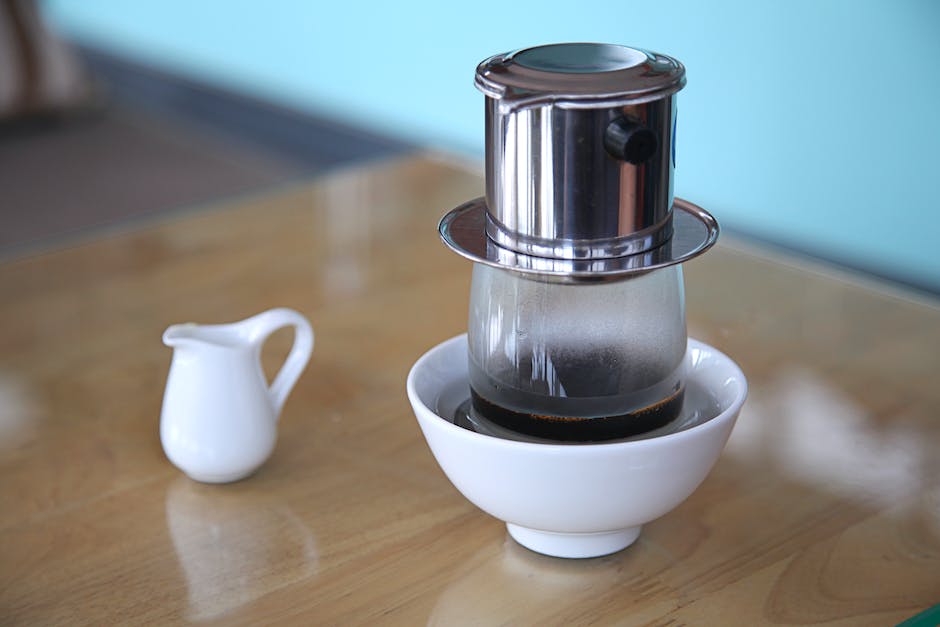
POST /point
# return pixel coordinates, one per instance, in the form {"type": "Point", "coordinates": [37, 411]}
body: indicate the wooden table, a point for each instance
{"type": "Point", "coordinates": [824, 508]}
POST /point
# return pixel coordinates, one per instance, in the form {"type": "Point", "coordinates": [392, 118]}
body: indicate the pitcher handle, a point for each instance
{"type": "Point", "coordinates": [266, 323]}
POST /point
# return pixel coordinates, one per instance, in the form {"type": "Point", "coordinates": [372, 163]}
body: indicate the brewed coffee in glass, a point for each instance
{"type": "Point", "coordinates": [577, 361]}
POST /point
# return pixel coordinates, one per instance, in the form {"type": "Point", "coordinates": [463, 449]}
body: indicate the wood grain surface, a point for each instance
{"type": "Point", "coordinates": [824, 507]}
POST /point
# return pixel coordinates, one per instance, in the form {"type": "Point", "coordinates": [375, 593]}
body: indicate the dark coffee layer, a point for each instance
{"type": "Point", "coordinates": [573, 429]}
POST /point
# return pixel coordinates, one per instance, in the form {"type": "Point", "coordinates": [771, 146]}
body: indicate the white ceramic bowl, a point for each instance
{"type": "Point", "coordinates": [573, 500]}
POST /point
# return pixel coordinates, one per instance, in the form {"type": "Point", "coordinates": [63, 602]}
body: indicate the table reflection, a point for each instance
{"type": "Point", "coordinates": [21, 410]}
{"type": "Point", "coordinates": [811, 431]}
{"type": "Point", "coordinates": [511, 582]}
{"type": "Point", "coordinates": [234, 548]}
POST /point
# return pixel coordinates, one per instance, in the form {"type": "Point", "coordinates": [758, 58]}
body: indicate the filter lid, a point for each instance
{"type": "Point", "coordinates": [579, 74]}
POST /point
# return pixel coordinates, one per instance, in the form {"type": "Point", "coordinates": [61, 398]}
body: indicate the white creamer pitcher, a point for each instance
{"type": "Point", "coordinates": [219, 419]}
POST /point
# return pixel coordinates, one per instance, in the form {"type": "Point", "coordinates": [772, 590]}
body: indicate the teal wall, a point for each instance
{"type": "Point", "coordinates": [813, 123]}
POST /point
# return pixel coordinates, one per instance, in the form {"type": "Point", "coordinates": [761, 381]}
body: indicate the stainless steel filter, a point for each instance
{"type": "Point", "coordinates": [603, 118]}
{"type": "Point", "coordinates": [580, 153]}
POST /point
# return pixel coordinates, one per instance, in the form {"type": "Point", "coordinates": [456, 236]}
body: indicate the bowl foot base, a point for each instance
{"type": "Point", "coordinates": [574, 545]}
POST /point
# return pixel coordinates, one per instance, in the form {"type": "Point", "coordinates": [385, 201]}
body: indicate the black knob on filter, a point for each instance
{"type": "Point", "coordinates": [630, 141]}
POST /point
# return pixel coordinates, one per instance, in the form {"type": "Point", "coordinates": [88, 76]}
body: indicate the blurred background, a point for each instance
{"type": "Point", "coordinates": [810, 124]}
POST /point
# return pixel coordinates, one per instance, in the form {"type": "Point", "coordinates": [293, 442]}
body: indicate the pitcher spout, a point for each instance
{"type": "Point", "coordinates": [190, 333]}
{"type": "Point", "coordinates": [178, 334]}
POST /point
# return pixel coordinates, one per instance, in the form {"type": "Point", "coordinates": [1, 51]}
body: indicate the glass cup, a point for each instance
{"type": "Point", "coordinates": [577, 361]}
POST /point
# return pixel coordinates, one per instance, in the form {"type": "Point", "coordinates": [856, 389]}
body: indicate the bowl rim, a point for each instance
{"type": "Point", "coordinates": [573, 448]}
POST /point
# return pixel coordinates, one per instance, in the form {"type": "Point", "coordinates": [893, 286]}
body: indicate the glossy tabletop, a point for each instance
{"type": "Point", "coordinates": [824, 507]}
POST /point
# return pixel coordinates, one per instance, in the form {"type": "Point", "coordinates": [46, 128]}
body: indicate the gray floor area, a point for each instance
{"type": "Point", "coordinates": [120, 165]}
{"type": "Point", "coordinates": [158, 143]}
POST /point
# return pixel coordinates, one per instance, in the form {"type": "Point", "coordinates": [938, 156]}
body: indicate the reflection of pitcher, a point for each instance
{"type": "Point", "coordinates": [219, 420]}
{"type": "Point", "coordinates": [235, 547]}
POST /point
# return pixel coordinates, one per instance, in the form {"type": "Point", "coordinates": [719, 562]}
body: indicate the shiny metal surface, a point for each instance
{"type": "Point", "coordinates": [554, 191]}
{"type": "Point", "coordinates": [464, 231]}
{"type": "Point", "coordinates": [580, 149]}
